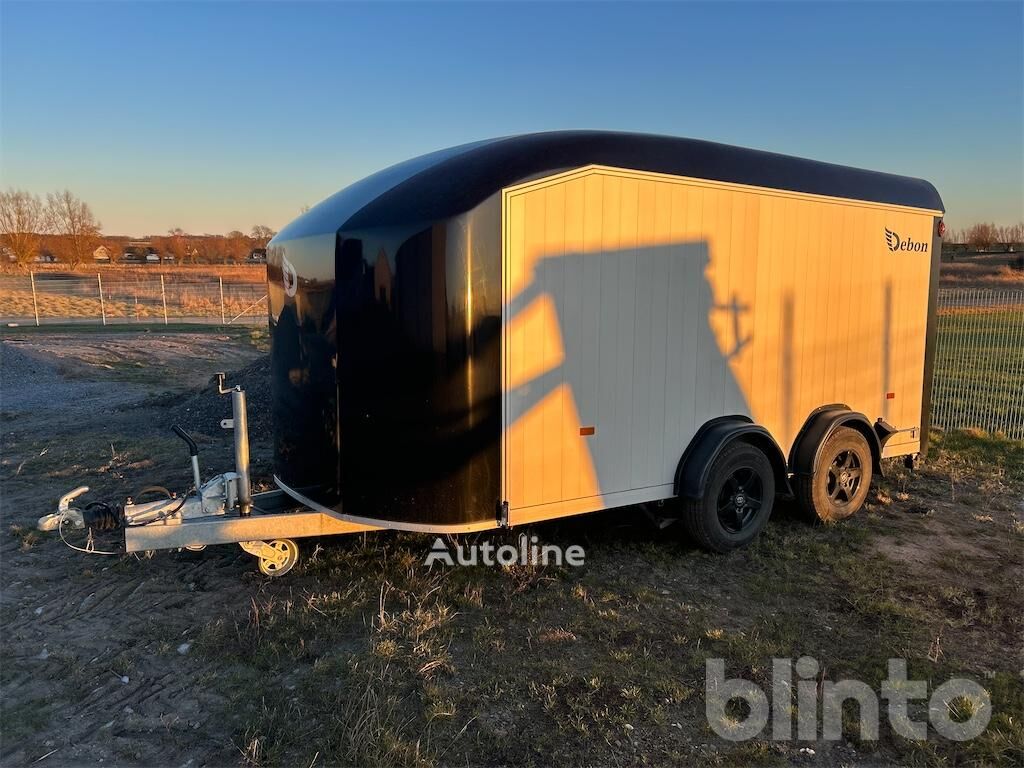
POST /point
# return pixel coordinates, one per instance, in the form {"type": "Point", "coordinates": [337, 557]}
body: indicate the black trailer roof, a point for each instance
{"type": "Point", "coordinates": [451, 181]}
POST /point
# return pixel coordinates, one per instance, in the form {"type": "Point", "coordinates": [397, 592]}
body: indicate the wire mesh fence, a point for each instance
{"type": "Point", "coordinates": [38, 299]}
{"type": "Point", "coordinates": [979, 361]}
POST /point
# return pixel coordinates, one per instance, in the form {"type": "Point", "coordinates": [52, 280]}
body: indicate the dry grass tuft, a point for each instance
{"type": "Point", "coordinates": [556, 635]}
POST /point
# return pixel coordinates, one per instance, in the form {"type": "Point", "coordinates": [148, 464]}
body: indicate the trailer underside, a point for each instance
{"type": "Point", "coordinates": [275, 515]}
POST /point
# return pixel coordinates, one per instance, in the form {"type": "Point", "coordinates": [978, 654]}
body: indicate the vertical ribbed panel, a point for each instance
{"type": "Point", "coordinates": [644, 305]}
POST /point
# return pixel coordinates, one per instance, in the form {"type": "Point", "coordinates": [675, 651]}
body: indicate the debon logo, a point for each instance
{"type": "Point", "coordinates": [291, 278]}
{"type": "Point", "coordinates": [896, 243]}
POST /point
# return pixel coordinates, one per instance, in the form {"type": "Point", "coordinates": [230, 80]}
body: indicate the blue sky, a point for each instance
{"type": "Point", "coordinates": [218, 116]}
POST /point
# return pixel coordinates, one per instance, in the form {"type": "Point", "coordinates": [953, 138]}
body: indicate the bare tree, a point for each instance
{"type": "Point", "coordinates": [982, 236]}
{"type": "Point", "coordinates": [176, 245]}
{"type": "Point", "coordinates": [262, 235]}
{"type": "Point", "coordinates": [236, 246]}
{"type": "Point", "coordinates": [23, 221]}
{"type": "Point", "coordinates": [1012, 233]}
{"type": "Point", "coordinates": [209, 249]}
{"type": "Point", "coordinates": [73, 222]}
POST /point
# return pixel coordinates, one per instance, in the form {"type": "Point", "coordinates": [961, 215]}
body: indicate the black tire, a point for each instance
{"type": "Point", "coordinates": [737, 500]}
{"type": "Point", "coordinates": [839, 487]}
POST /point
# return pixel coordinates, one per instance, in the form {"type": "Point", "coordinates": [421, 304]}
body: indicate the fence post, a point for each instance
{"type": "Point", "coordinates": [163, 296]}
{"type": "Point", "coordinates": [35, 302]}
{"type": "Point", "coordinates": [103, 309]}
{"type": "Point", "coordinates": [222, 318]}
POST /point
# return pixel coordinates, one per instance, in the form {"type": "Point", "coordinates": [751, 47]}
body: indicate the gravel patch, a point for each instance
{"type": "Point", "coordinates": [31, 384]}
{"type": "Point", "coordinates": [201, 410]}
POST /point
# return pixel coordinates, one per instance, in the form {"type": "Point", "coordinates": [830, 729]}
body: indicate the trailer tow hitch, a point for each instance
{"type": "Point", "coordinates": [96, 515]}
{"type": "Point", "coordinates": [65, 514]}
{"type": "Point", "coordinates": [222, 500]}
{"type": "Point", "coordinates": [212, 498]}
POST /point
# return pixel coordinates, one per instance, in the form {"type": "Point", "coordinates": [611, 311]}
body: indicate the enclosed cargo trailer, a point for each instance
{"type": "Point", "coordinates": [546, 325]}
{"type": "Point", "coordinates": [530, 327]}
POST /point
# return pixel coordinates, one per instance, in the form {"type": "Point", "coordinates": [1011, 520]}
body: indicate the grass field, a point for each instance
{"type": "Point", "coordinates": [997, 271]}
{"type": "Point", "coordinates": [134, 293]}
{"type": "Point", "coordinates": [979, 369]}
{"type": "Point", "coordinates": [135, 303]}
{"type": "Point", "coordinates": [241, 273]}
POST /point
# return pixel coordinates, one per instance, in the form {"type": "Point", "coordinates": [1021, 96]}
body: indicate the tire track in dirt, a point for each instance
{"type": "Point", "coordinates": [85, 632]}
{"type": "Point", "coordinates": [91, 670]}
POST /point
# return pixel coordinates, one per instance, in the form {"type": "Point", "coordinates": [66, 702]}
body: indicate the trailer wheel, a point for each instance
{"type": "Point", "coordinates": [737, 500]}
{"type": "Point", "coordinates": [840, 485]}
{"type": "Point", "coordinates": [282, 556]}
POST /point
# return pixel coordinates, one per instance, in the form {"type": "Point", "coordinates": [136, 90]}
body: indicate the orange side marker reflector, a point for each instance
{"type": "Point", "coordinates": [890, 395]}
{"type": "Point", "coordinates": [587, 431]}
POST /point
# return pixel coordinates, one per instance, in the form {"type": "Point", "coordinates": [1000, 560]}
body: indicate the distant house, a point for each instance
{"type": "Point", "coordinates": [952, 250]}
{"type": "Point", "coordinates": [140, 252]}
{"type": "Point", "coordinates": [101, 255]}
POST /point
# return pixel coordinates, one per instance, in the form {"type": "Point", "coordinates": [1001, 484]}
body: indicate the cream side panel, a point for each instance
{"type": "Point", "coordinates": [514, 277]}
{"type": "Point", "coordinates": [552, 249]}
{"type": "Point", "coordinates": [638, 307]}
{"type": "Point", "coordinates": [911, 317]}
{"type": "Point", "coordinates": [535, 316]}
{"type": "Point", "coordinates": [576, 461]}
{"type": "Point", "coordinates": [616, 303]}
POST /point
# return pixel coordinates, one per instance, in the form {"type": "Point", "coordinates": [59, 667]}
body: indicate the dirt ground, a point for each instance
{"type": "Point", "coordinates": [998, 271]}
{"type": "Point", "coordinates": [362, 656]}
{"type": "Point", "coordinates": [82, 634]}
